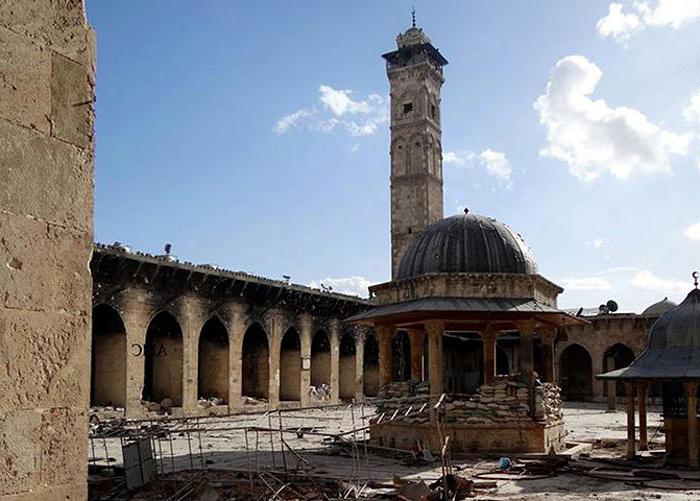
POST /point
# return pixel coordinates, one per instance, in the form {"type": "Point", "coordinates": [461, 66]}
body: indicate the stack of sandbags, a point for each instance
{"type": "Point", "coordinates": [548, 403]}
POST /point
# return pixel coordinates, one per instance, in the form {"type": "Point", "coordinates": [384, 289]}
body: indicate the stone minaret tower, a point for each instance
{"type": "Point", "coordinates": [415, 76]}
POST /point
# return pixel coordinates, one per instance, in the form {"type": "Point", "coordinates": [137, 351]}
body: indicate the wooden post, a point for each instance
{"type": "Point", "coordinates": [489, 340]}
{"type": "Point", "coordinates": [629, 392]}
{"type": "Point", "coordinates": [416, 338]}
{"type": "Point", "coordinates": [691, 393]}
{"type": "Point", "coordinates": [642, 395]}
{"type": "Point", "coordinates": [611, 386]}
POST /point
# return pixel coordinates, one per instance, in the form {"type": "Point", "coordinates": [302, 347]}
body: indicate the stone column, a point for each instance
{"type": "Point", "coordinates": [434, 330]}
{"type": "Point", "coordinates": [335, 360]}
{"type": "Point", "coordinates": [611, 386]}
{"type": "Point", "coordinates": [306, 334]}
{"type": "Point", "coordinates": [416, 338]}
{"type": "Point", "coordinates": [236, 330]}
{"type": "Point", "coordinates": [359, 364]}
{"type": "Point", "coordinates": [691, 394]}
{"type": "Point", "coordinates": [274, 320]}
{"type": "Point", "coordinates": [631, 448]}
{"type": "Point", "coordinates": [384, 335]}
{"type": "Point", "coordinates": [191, 322]}
{"type": "Point", "coordinates": [135, 316]}
{"type": "Point", "coordinates": [642, 394]}
{"type": "Point", "coordinates": [489, 348]}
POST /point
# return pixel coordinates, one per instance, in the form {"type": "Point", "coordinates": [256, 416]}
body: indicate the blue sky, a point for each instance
{"type": "Point", "coordinates": [253, 135]}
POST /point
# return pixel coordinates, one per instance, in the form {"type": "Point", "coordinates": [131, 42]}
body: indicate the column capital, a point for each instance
{"type": "Point", "coordinates": [548, 334]}
{"type": "Point", "coordinates": [526, 327]}
{"type": "Point", "coordinates": [434, 327]}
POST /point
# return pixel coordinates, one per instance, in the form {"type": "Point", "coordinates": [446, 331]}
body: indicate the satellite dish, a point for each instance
{"type": "Point", "coordinates": [612, 306]}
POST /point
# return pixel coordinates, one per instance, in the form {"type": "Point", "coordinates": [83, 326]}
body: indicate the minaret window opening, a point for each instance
{"type": "Point", "coordinates": [407, 108]}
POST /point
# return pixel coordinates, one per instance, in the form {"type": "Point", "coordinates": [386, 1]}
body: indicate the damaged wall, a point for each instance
{"type": "Point", "coordinates": [46, 187]}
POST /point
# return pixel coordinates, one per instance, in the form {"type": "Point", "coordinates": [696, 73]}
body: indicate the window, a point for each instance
{"type": "Point", "coordinates": [432, 111]}
{"type": "Point", "coordinates": [407, 107]}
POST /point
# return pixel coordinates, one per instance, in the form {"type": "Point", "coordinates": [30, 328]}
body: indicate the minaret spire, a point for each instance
{"type": "Point", "coordinates": [413, 15]}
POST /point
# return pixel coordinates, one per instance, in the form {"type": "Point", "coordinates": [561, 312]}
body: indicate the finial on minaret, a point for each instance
{"type": "Point", "coordinates": [696, 275]}
{"type": "Point", "coordinates": [413, 15]}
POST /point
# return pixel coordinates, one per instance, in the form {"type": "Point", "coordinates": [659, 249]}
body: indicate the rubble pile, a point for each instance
{"type": "Point", "coordinates": [210, 402]}
{"type": "Point", "coordinates": [507, 400]}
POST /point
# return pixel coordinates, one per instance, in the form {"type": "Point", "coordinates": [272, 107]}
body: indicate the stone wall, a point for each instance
{"type": "Point", "coordinates": [46, 187]}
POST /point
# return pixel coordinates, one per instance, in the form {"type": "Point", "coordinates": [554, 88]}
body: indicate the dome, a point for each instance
{"type": "Point", "coordinates": [673, 349]}
{"type": "Point", "coordinates": [467, 243]}
{"type": "Point", "coordinates": [659, 308]}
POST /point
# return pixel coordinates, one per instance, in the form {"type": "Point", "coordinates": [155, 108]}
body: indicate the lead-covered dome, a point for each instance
{"type": "Point", "coordinates": [659, 308]}
{"type": "Point", "coordinates": [467, 243]}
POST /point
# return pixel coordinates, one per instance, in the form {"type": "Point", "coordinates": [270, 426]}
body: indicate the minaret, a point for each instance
{"type": "Point", "coordinates": [415, 76]}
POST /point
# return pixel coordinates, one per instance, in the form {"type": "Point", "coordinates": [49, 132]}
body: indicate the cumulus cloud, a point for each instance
{"type": "Point", "coordinates": [355, 285]}
{"type": "Point", "coordinates": [647, 280]}
{"type": "Point", "coordinates": [494, 162]}
{"type": "Point", "coordinates": [338, 109]}
{"type": "Point", "coordinates": [692, 112]}
{"type": "Point", "coordinates": [620, 24]}
{"type": "Point", "coordinates": [586, 283]}
{"type": "Point", "coordinates": [593, 138]}
{"type": "Point", "coordinates": [693, 232]}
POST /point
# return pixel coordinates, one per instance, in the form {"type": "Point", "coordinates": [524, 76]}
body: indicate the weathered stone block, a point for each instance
{"type": "Point", "coordinates": [25, 70]}
{"type": "Point", "coordinates": [20, 452]}
{"type": "Point", "coordinates": [45, 178]}
{"type": "Point", "coordinates": [46, 353]}
{"type": "Point", "coordinates": [43, 266]}
{"type": "Point", "coordinates": [72, 96]}
{"type": "Point", "coordinates": [62, 461]}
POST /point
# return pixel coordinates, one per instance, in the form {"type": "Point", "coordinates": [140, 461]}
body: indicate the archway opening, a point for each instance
{"type": "Point", "coordinates": [401, 357]}
{"type": "Point", "coordinates": [163, 363]}
{"type": "Point", "coordinates": [108, 364]}
{"type": "Point", "coordinates": [212, 366]}
{"type": "Point", "coordinates": [463, 362]}
{"type": "Point", "coordinates": [255, 380]}
{"type": "Point", "coordinates": [502, 362]}
{"type": "Point", "coordinates": [290, 366]}
{"type": "Point", "coordinates": [618, 356]}
{"type": "Point", "coordinates": [347, 367]}
{"type": "Point", "coordinates": [371, 366]}
{"type": "Point", "coordinates": [321, 361]}
{"type": "Point", "coordinates": [576, 373]}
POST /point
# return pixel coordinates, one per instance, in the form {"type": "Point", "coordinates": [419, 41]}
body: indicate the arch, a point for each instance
{"type": "Point", "coordinates": [255, 363]}
{"type": "Point", "coordinates": [346, 371]}
{"type": "Point", "coordinates": [617, 356]}
{"type": "Point", "coordinates": [576, 373]}
{"type": "Point", "coordinates": [320, 359]}
{"type": "Point", "coordinates": [163, 360]}
{"type": "Point", "coordinates": [400, 357]}
{"type": "Point", "coordinates": [371, 366]}
{"type": "Point", "coordinates": [212, 357]}
{"type": "Point", "coordinates": [290, 366]}
{"type": "Point", "coordinates": [108, 361]}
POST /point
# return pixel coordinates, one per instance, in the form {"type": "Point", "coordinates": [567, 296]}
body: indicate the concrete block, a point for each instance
{"type": "Point", "coordinates": [45, 178]}
{"type": "Point", "coordinates": [25, 91]}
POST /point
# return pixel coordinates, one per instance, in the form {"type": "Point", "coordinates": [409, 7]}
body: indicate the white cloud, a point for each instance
{"type": "Point", "coordinates": [591, 137]}
{"type": "Point", "coordinates": [621, 25]}
{"type": "Point", "coordinates": [496, 163]}
{"type": "Point", "coordinates": [596, 243]}
{"type": "Point", "coordinates": [693, 232]}
{"type": "Point", "coordinates": [586, 283]}
{"type": "Point", "coordinates": [339, 110]}
{"type": "Point", "coordinates": [692, 112]}
{"type": "Point", "coordinates": [618, 24]}
{"type": "Point", "coordinates": [617, 269]}
{"type": "Point", "coordinates": [355, 285]}
{"type": "Point", "coordinates": [647, 280]}
{"type": "Point", "coordinates": [291, 120]}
